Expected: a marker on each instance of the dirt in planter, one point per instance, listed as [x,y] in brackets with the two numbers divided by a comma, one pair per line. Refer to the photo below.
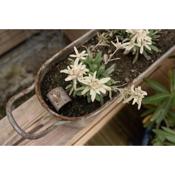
[125,72]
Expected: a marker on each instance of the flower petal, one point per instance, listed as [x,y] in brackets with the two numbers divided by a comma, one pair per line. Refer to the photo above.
[69,78]
[64,71]
[105,80]
[93,95]
[85,91]
[76,51]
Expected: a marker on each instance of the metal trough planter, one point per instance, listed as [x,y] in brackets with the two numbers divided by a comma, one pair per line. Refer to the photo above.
[61,55]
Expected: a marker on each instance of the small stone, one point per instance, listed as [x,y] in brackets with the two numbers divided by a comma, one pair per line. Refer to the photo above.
[109,51]
[91,47]
[127,80]
[58,97]
[105,56]
[132,70]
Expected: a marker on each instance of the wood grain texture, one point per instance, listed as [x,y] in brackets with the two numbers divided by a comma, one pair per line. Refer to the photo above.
[125,128]
[33,117]
[74,34]
[11,38]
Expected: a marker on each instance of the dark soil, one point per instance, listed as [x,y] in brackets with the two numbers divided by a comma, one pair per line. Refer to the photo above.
[125,72]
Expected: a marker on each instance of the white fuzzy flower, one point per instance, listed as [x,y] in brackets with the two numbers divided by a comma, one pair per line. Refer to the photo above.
[139,33]
[103,39]
[141,38]
[75,71]
[137,95]
[82,55]
[130,93]
[95,86]
[125,95]
[118,45]
[129,46]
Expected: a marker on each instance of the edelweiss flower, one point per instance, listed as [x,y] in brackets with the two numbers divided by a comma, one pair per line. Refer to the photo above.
[118,45]
[141,38]
[131,93]
[75,71]
[137,95]
[125,95]
[95,86]
[129,46]
[103,39]
[139,33]
[82,55]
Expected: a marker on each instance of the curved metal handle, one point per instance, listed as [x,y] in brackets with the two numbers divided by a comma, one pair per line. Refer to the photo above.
[13,122]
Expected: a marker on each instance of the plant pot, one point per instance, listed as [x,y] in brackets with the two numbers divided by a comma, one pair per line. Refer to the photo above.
[56,59]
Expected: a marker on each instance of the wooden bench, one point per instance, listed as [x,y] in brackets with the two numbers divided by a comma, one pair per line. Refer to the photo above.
[11,38]
[34,118]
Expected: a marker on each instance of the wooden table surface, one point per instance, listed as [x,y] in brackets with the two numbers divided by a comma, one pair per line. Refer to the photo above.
[11,38]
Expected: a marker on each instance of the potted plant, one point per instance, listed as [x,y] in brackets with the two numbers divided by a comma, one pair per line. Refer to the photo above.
[99,70]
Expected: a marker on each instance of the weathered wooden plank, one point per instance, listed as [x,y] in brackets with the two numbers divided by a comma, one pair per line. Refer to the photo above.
[32,116]
[11,38]
[125,128]
[74,34]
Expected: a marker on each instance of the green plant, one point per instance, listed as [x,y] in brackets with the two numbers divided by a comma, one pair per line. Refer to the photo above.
[164,136]
[95,64]
[103,39]
[135,41]
[131,93]
[160,108]
[89,77]
[142,42]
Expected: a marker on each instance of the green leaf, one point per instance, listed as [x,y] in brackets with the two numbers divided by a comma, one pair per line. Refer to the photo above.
[89,99]
[172,80]
[164,136]
[98,59]
[170,131]
[171,119]
[169,134]
[110,70]
[147,112]
[146,55]
[159,137]
[99,98]
[171,114]
[173,101]
[101,71]
[154,48]
[155,99]
[156,86]
[161,111]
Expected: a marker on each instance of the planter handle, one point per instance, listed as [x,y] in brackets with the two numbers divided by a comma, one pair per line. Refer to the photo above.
[17,128]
